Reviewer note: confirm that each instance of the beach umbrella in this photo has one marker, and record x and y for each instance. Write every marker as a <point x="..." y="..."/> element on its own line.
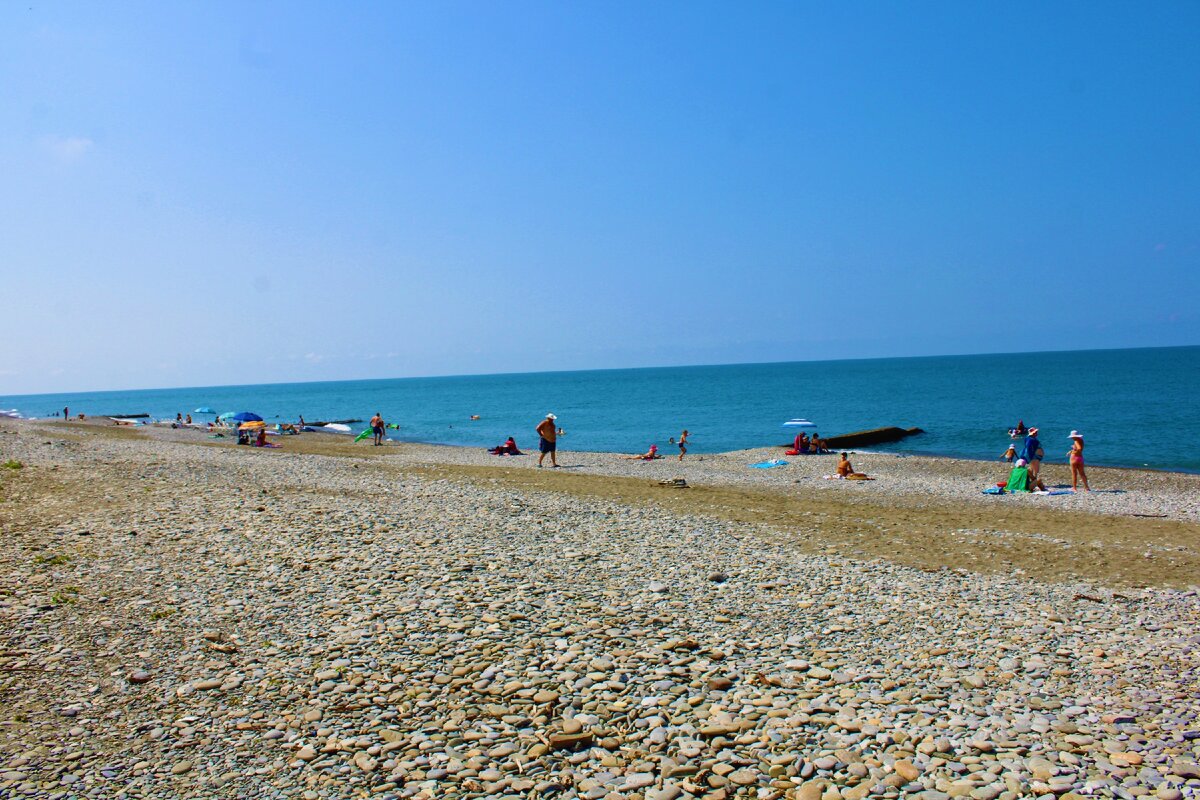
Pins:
<point x="252" y="426"/>
<point x="204" y="410"/>
<point x="245" y="416"/>
<point x="799" y="423"/>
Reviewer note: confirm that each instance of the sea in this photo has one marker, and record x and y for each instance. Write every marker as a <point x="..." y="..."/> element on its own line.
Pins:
<point x="1135" y="408"/>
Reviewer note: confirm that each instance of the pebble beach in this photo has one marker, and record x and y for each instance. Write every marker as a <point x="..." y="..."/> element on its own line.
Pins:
<point x="187" y="618"/>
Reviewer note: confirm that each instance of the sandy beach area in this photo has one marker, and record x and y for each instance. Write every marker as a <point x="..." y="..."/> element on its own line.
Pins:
<point x="183" y="617"/>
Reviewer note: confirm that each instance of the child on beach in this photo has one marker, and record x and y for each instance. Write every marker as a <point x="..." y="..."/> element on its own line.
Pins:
<point x="1010" y="453"/>
<point x="683" y="437"/>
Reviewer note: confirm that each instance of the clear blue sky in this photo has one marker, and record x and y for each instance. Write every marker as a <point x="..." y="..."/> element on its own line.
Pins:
<point x="247" y="192"/>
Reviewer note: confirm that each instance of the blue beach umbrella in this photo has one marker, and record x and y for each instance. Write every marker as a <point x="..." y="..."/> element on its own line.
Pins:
<point x="799" y="423"/>
<point x="204" y="410"/>
<point x="246" y="416"/>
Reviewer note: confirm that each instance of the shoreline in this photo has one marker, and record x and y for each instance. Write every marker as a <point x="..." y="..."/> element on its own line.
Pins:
<point x="898" y="453"/>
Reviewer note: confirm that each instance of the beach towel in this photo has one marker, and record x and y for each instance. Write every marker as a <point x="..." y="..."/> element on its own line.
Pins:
<point x="993" y="490"/>
<point x="775" y="462"/>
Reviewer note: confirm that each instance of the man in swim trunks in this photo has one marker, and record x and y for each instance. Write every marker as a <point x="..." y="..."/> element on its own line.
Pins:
<point x="1032" y="452"/>
<point x="548" y="441"/>
<point x="683" y="442"/>
<point x="377" y="428"/>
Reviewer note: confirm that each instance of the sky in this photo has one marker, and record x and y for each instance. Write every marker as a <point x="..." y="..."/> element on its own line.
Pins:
<point x="229" y="193"/>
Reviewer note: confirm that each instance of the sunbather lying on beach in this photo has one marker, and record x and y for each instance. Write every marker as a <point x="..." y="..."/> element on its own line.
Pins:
<point x="649" y="455"/>
<point x="509" y="448"/>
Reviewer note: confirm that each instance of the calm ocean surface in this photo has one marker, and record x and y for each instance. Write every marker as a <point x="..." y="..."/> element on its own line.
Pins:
<point x="1136" y="408"/>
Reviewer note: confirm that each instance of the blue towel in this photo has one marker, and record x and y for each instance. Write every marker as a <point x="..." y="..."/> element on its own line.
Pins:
<point x="993" y="490"/>
<point x="778" y="462"/>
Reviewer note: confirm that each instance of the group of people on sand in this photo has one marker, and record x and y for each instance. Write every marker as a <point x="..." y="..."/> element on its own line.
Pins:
<point x="1028" y="455"/>
<point x="653" y="455"/>
<point x="804" y="445"/>
<point x="548" y="433"/>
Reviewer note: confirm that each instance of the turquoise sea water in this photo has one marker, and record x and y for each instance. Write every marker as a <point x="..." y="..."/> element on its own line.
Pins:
<point x="1136" y="408"/>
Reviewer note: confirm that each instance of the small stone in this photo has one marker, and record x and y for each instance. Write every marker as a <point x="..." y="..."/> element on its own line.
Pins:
<point x="306" y="753"/>
<point x="719" y="684"/>
<point x="570" y="741"/>
<point x="658" y="587"/>
<point x="181" y="767"/>
<point x="668" y="792"/>
<point x="812" y="790"/>
<point x="743" y="777"/>
<point x="206" y="685"/>
<point x="139" y="676"/>
<point x="638" y="780"/>
<point x="907" y="770"/>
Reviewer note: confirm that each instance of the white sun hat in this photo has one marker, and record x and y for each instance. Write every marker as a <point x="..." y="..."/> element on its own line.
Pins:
<point x="1075" y="435"/>
<point x="551" y="416"/>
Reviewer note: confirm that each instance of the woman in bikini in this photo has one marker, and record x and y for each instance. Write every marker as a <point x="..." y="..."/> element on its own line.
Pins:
<point x="1075" y="456"/>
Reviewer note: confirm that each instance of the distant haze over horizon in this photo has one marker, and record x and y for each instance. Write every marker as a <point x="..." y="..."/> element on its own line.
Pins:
<point x="99" y="390"/>
<point x="240" y="194"/>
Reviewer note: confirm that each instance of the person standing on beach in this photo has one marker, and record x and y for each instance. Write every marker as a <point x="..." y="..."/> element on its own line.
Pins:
<point x="1075" y="456"/>
<point x="683" y="437"/>
<point x="548" y="441"/>
<point x="377" y="428"/>
<point x="1032" y="453"/>
<point x="65" y="414"/>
